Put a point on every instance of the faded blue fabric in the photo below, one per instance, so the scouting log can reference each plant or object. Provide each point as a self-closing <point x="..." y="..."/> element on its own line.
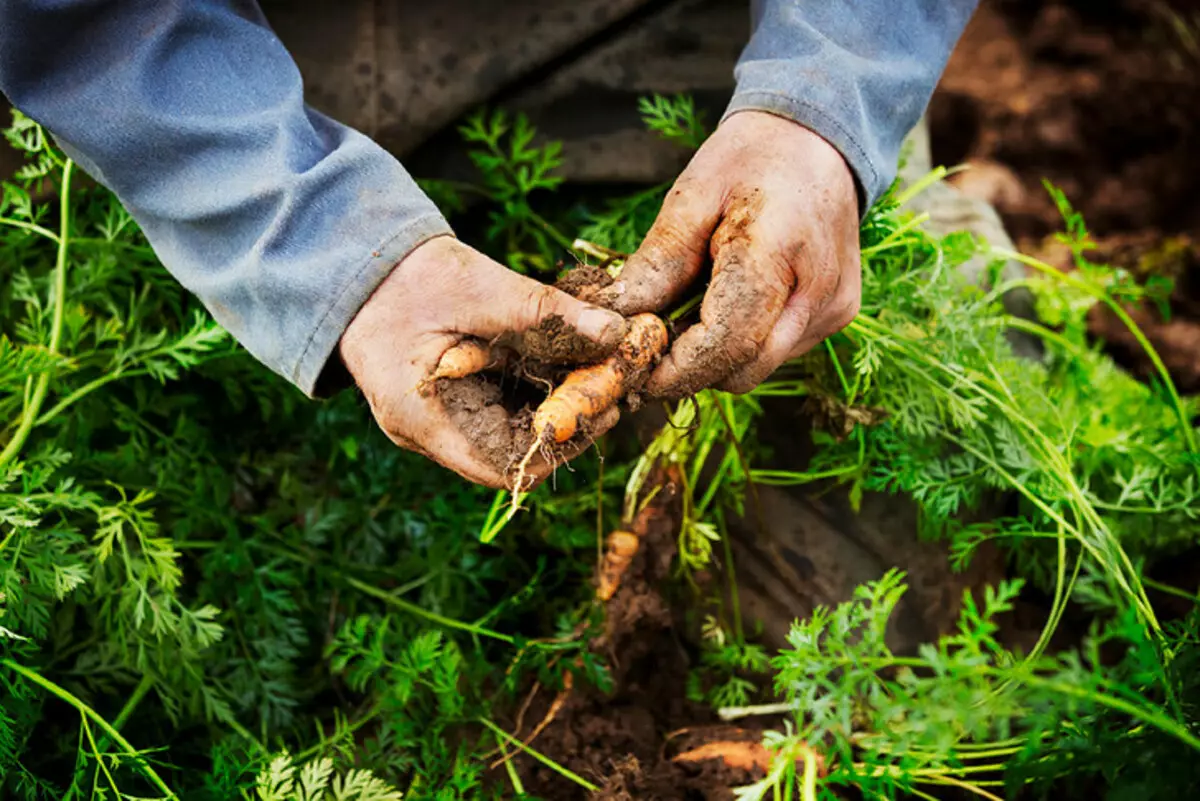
<point x="283" y="221"/>
<point x="859" y="73"/>
<point x="279" y="219"/>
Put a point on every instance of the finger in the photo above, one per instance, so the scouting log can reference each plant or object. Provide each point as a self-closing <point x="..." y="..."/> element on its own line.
<point x="536" y="319"/>
<point x="673" y="252"/>
<point x="801" y="327"/>
<point x="752" y="281"/>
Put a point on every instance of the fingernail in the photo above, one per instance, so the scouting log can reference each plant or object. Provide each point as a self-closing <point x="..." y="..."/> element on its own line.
<point x="599" y="325"/>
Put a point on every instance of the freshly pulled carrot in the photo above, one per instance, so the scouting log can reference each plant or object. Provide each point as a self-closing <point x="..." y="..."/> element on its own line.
<point x="620" y="549"/>
<point x="466" y="358"/>
<point x="590" y="391"/>
<point x="747" y="756"/>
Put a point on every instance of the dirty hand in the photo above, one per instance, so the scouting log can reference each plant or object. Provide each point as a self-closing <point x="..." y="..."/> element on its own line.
<point x="775" y="208"/>
<point x="439" y="293"/>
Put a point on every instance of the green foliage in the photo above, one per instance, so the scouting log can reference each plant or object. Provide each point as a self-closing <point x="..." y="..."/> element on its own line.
<point x="966" y="705"/>
<point x="188" y="549"/>
<point x="674" y="119"/>
<point x="195" y="562"/>
<point x="512" y="169"/>
<point x="315" y="781"/>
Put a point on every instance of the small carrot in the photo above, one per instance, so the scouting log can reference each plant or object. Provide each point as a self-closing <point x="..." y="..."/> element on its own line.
<point x="620" y="549"/>
<point x="590" y="391"/>
<point x="466" y="358"/>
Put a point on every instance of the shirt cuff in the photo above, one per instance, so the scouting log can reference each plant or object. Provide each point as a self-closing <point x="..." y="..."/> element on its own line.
<point x="318" y="371"/>
<point x="869" y="181"/>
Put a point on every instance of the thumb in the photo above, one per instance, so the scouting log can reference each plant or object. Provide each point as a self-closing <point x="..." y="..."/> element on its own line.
<point x="673" y="252"/>
<point x="539" y="320"/>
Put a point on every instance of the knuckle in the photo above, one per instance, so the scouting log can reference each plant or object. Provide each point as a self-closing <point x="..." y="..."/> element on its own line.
<point x="533" y="307"/>
<point x="844" y="313"/>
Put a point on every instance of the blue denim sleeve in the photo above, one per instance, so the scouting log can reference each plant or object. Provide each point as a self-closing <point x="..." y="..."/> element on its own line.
<point x="859" y="74"/>
<point x="279" y="219"/>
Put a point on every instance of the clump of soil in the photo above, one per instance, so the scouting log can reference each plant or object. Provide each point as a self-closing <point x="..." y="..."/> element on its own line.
<point x="585" y="282"/>
<point x="555" y="342"/>
<point x="624" y="741"/>
<point x="478" y="406"/>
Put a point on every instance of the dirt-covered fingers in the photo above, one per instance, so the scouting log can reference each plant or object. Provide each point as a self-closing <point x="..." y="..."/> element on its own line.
<point x="674" y="250"/>
<point x="752" y="281"/>
<point x="535" y="319"/>
<point x="809" y="317"/>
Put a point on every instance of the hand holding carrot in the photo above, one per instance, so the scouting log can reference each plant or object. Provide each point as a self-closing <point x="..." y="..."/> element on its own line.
<point x="775" y="208"/>
<point x="440" y="295"/>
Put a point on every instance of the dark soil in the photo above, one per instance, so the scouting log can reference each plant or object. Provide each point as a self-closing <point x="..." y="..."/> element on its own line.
<point x="1096" y="97"/>
<point x="478" y="406"/>
<point x="624" y="742"/>
<point x="585" y="282"/>
<point x="1099" y="98"/>
<point x="554" y="342"/>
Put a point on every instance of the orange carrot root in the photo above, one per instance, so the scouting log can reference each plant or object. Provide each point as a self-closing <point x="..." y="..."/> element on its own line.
<point x="466" y="358"/>
<point x="622" y="546"/>
<point x="590" y="391"/>
<point x="743" y="755"/>
<point x="746" y="756"/>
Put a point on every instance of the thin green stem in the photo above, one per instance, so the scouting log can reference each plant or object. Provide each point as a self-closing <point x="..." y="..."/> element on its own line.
<point x="809" y="790"/>
<point x="88" y="712"/>
<point x="1189" y="434"/>
<point x="545" y="760"/>
<point x="734" y="600"/>
<point x="30" y="414"/>
<point x="785" y="478"/>
<point x="413" y="609"/>
<point x="1167" y="588"/>
<point x="85" y="390"/>
<point x="1041" y="331"/>
<point x="389" y="598"/>
<point x="87" y="730"/>
<point x="134" y="699"/>
<point x="31" y="227"/>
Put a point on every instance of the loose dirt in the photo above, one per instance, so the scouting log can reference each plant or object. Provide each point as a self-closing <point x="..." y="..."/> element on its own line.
<point x="555" y="342"/>
<point x="585" y="282"/>
<point x="1099" y="99"/>
<point x="624" y="742"/>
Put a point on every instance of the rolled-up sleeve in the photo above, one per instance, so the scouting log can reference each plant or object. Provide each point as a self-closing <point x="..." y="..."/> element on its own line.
<point x="859" y="74"/>
<point x="282" y="221"/>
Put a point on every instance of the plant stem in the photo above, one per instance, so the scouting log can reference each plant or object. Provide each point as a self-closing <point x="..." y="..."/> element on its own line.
<point x="91" y="714"/>
<point x="1151" y="583"/>
<point x="37" y="229"/>
<point x="85" y="390"/>
<point x="29" y="416"/>
<point x="413" y="609"/>
<point x="389" y="598"/>
<point x="545" y="760"/>
<point x="734" y="712"/>
<point x="1189" y="434"/>
<point x="809" y="791"/>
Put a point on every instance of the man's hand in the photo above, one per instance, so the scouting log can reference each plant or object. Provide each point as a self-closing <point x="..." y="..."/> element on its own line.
<point x="775" y="208"/>
<point x="441" y="292"/>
